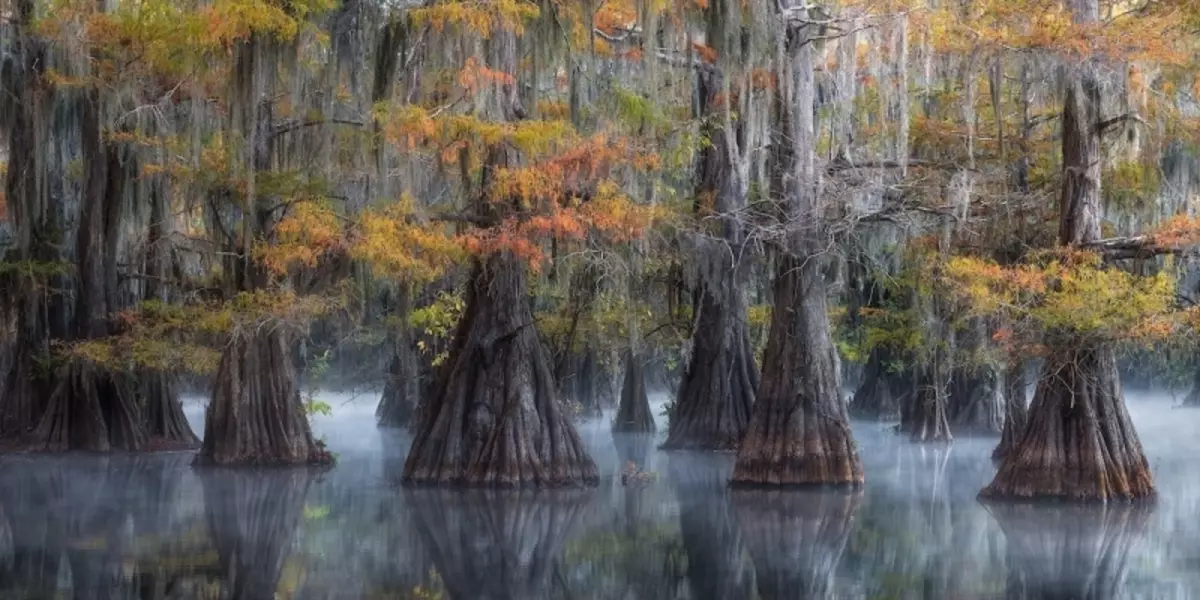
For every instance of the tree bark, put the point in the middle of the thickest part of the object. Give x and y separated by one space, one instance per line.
799 433
255 416
495 419
924 417
976 403
633 414
796 539
718 387
1079 443
1016 413
881 393
401 392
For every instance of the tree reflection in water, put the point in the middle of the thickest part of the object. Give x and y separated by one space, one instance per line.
716 555
1069 551
497 544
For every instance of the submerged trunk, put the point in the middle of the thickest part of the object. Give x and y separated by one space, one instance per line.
1070 552
401 393
881 393
799 433
495 419
1079 443
976 403
256 416
633 415
1016 413
796 539
502 544
252 520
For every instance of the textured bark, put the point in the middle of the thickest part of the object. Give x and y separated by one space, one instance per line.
924 417
1070 551
90 409
796 539
495 419
976 403
633 414
715 547
501 544
718 387
1016 413
881 393
799 432
1079 443
255 416
163 421
401 393
252 519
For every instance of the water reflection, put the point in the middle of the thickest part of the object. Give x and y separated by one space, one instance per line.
1070 552
501 544
796 540
152 528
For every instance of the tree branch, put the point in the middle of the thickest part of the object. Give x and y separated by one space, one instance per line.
1107 124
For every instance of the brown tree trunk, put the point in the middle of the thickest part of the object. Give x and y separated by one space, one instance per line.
796 539
881 393
799 433
255 416
1016 412
165 425
497 544
1079 443
495 419
633 414
252 518
713 405
1069 551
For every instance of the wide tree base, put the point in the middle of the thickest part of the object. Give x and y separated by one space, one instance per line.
91 410
256 416
1079 443
166 426
633 414
880 394
495 419
817 451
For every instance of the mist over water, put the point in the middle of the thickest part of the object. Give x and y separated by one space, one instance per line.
122 526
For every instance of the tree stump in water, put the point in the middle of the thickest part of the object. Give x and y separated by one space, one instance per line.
1079 443
633 414
256 416
502 544
252 519
1081 552
879 396
495 419
796 539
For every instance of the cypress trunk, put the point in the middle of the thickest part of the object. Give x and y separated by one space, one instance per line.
796 539
881 393
401 393
255 416
163 421
976 402
924 418
1016 413
1079 443
713 405
495 419
633 414
799 433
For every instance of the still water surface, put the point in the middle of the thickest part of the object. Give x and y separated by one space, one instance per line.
151 527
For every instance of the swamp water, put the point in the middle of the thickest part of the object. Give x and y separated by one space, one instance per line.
148 527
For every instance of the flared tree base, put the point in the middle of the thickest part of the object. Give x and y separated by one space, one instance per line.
166 426
803 451
1079 443
256 416
879 395
91 410
495 419
633 414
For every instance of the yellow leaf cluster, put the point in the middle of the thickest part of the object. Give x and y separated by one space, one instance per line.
394 243
480 16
